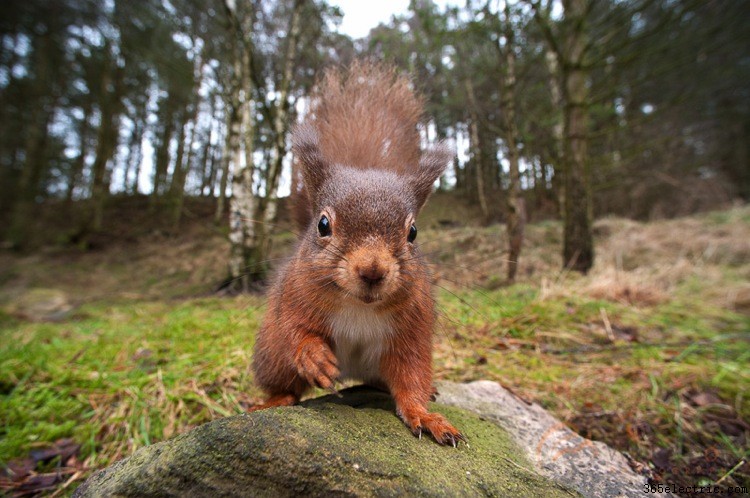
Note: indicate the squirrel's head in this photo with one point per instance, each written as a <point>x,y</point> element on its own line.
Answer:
<point>364,228</point>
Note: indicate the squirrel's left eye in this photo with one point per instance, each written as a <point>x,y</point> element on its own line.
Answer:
<point>412,233</point>
<point>324,226</point>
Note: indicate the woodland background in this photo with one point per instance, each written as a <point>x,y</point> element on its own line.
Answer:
<point>602,169</point>
<point>582,108</point>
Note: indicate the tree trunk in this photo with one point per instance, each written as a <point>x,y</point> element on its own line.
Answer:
<point>578,250</point>
<point>182,169</point>
<point>105,144</point>
<point>516,214</point>
<point>135,156</point>
<point>240,112</point>
<point>35,146</point>
<point>207,160</point>
<point>76,169</point>
<point>162,159</point>
<point>476,151</point>
<point>231,143</point>
<point>180,187</point>
<point>553,67</point>
<point>460,171</point>
<point>137,166</point>
<point>568,61</point>
<point>241,212</point>
<point>243,224</point>
<point>213,159</point>
<point>179,174</point>
<point>135,153</point>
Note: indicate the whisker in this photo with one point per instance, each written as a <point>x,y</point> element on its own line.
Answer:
<point>463,301</point>
<point>297,234</point>
<point>442,314</point>
<point>272,225</point>
<point>476,288</point>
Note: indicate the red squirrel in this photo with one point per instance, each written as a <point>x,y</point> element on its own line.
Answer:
<point>355,301</point>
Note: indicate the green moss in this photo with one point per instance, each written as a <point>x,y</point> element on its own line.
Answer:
<point>355,445</point>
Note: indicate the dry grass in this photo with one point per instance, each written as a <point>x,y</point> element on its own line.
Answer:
<point>641,264</point>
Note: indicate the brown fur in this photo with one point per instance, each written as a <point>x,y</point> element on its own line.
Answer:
<point>360,297</point>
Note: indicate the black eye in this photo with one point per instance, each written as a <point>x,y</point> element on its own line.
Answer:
<point>412,233</point>
<point>324,226</point>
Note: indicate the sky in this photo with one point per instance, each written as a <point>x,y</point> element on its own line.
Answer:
<point>361,15</point>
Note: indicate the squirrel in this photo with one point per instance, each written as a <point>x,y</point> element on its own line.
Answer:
<point>355,301</point>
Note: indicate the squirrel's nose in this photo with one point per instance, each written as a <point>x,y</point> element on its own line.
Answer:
<point>372,275</point>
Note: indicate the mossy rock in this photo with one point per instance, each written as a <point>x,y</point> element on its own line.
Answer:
<point>353,446</point>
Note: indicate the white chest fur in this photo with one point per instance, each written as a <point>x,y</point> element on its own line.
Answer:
<point>360,336</point>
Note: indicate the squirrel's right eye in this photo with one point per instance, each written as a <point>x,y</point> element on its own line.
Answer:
<point>324,226</point>
<point>412,233</point>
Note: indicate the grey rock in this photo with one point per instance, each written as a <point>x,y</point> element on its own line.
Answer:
<point>41,305</point>
<point>590,467</point>
<point>356,446</point>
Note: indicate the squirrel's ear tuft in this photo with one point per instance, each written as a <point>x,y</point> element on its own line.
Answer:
<point>431,165</point>
<point>306,149</point>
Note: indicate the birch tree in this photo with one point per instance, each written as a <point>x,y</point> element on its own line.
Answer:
<point>240,125</point>
<point>250,214</point>
<point>279,112</point>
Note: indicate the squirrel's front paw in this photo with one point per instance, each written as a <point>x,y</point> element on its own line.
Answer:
<point>438,426</point>
<point>316,363</point>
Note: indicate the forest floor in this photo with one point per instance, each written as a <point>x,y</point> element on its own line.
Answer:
<point>649,352</point>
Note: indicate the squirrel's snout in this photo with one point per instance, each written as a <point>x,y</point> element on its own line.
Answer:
<point>372,275</point>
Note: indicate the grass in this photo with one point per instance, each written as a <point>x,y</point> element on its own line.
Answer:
<point>652,359</point>
<point>123,375</point>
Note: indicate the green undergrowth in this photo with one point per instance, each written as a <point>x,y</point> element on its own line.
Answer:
<point>121,375</point>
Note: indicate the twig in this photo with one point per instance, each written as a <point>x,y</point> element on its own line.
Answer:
<point>67,483</point>
<point>607,325</point>
<point>740,464</point>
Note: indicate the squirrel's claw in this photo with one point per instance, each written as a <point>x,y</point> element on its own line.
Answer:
<point>417,431</point>
<point>440,429</point>
<point>335,391</point>
<point>457,438</point>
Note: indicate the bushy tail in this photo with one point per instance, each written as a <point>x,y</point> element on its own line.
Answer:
<point>365,117</point>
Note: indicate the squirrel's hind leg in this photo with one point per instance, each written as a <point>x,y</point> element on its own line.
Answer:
<point>286,393</point>
<point>276,400</point>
